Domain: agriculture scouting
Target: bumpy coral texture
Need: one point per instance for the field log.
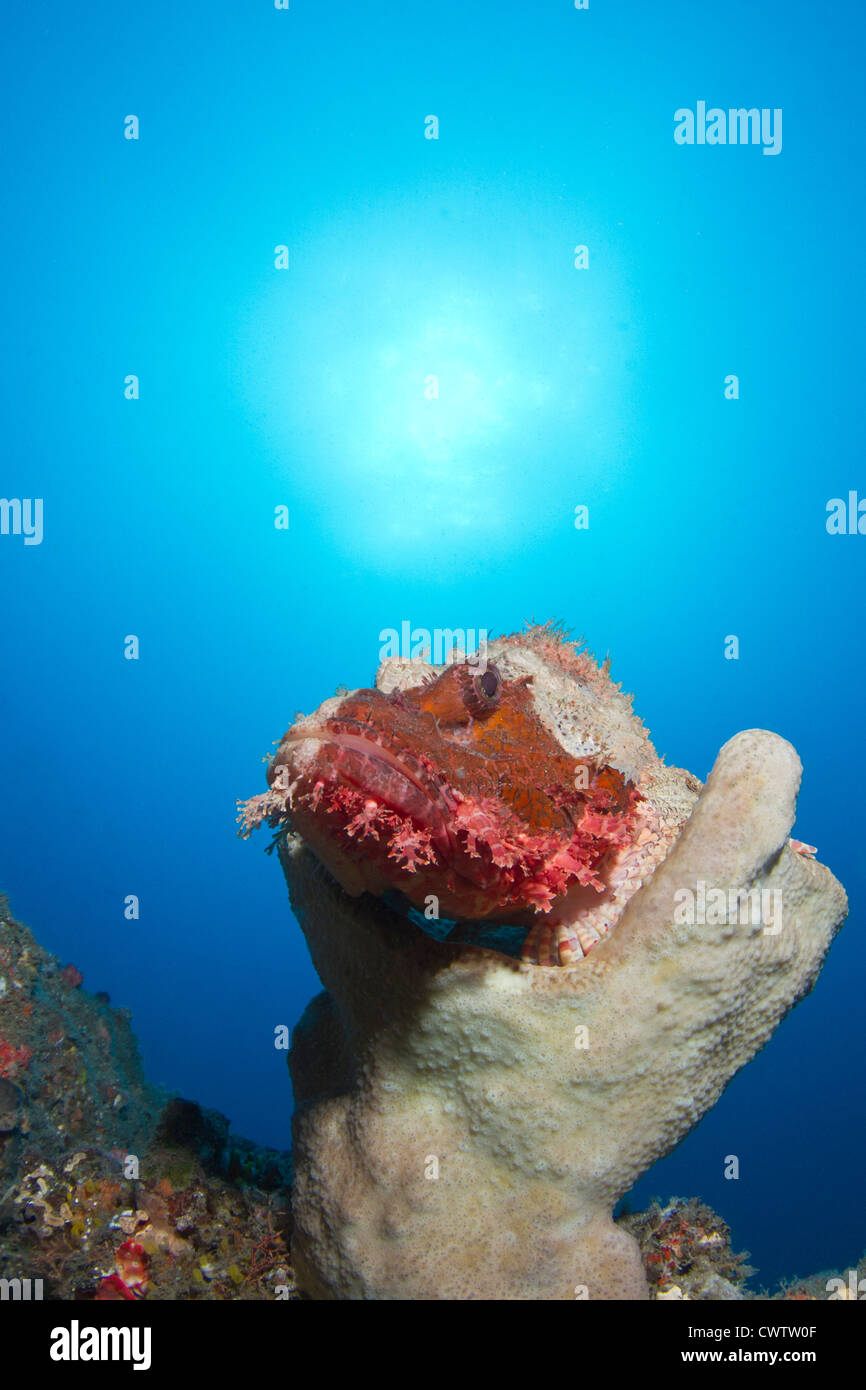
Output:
(466, 1122)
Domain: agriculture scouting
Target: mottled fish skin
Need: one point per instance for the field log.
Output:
(451, 789)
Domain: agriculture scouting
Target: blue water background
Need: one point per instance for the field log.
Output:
(305, 387)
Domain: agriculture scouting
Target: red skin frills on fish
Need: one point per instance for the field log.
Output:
(453, 789)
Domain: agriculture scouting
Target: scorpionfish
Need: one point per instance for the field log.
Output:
(452, 791)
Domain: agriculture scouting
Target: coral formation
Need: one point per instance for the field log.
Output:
(73, 1060)
(686, 1251)
(109, 1189)
(208, 1217)
(466, 1121)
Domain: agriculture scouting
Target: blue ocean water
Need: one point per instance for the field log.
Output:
(304, 387)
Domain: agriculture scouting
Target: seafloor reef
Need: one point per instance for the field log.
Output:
(686, 1252)
(112, 1190)
(109, 1187)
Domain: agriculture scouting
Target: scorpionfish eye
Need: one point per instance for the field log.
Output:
(462, 693)
(490, 683)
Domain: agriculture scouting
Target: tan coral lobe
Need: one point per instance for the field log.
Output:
(467, 1121)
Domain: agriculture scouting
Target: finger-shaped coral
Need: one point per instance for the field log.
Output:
(467, 1121)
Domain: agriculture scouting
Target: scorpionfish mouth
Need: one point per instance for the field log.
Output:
(453, 795)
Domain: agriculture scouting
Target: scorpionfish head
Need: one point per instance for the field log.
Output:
(451, 792)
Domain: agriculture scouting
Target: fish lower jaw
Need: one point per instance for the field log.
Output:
(572, 928)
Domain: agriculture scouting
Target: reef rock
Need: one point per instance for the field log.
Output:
(109, 1188)
(466, 1120)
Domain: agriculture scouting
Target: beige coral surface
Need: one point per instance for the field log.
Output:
(466, 1122)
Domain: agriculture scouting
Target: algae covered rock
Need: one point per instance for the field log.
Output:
(110, 1189)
